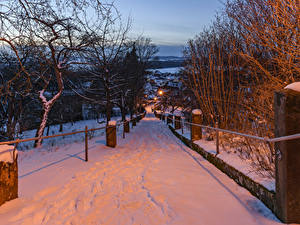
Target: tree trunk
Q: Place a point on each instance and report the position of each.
(60, 127)
(47, 105)
(48, 130)
(41, 129)
(61, 122)
(108, 111)
(123, 110)
(123, 113)
(131, 114)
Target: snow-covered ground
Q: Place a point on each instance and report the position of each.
(149, 178)
(243, 165)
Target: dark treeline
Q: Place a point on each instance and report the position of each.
(57, 56)
(155, 64)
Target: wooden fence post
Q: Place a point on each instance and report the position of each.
(123, 129)
(133, 121)
(287, 158)
(217, 139)
(8, 173)
(177, 122)
(111, 134)
(138, 118)
(86, 143)
(126, 126)
(196, 131)
(159, 115)
(169, 118)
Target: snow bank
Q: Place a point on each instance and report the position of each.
(197, 112)
(294, 86)
(6, 153)
(177, 113)
(112, 123)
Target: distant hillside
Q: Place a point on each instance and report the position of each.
(166, 62)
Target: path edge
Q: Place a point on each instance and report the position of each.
(259, 191)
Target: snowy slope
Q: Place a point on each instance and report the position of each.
(150, 178)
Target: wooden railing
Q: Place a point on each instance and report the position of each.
(85, 131)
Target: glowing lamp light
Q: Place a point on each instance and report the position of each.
(155, 98)
(160, 92)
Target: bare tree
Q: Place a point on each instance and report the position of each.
(56, 32)
(214, 74)
(270, 28)
(271, 43)
(104, 59)
(230, 90)
(15, 90)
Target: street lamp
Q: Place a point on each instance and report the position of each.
(160, 92)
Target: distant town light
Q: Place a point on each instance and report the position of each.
(155, 98)
(160, 92)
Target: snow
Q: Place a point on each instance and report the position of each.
(241, 165)
(7, 153)
(67, 127)
(293, 86)
(112, 123)
(177, 113)
(231, 157)
(167, 70)
(197, 112)
(149, 178)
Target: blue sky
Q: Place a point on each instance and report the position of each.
(169, 22)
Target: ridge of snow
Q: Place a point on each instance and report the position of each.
(294, 86)
(112, 123)
(7, 153)
(177, 113)
(197, 112)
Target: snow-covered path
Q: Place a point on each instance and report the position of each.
(150, 178)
